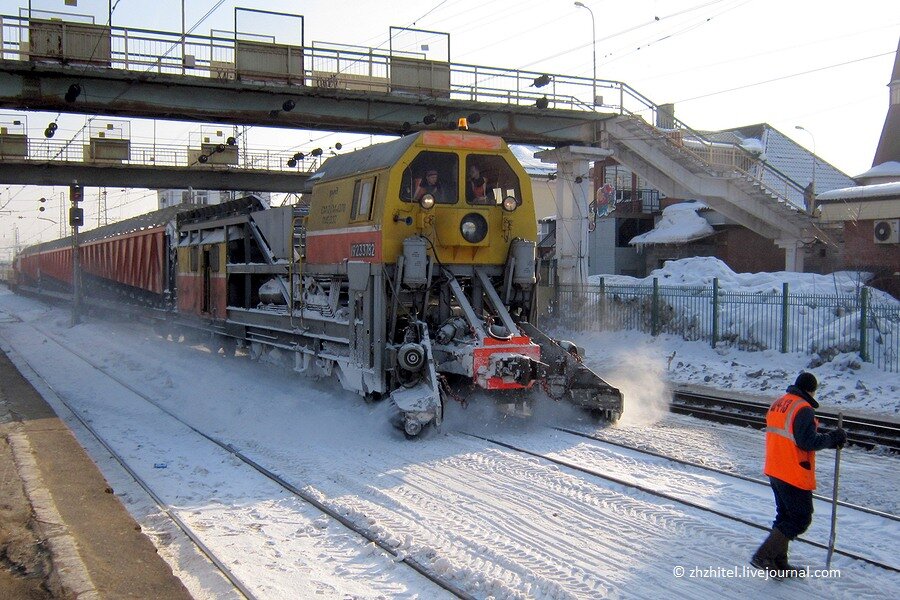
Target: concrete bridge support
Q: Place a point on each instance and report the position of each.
(574, 193)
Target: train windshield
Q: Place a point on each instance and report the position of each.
(432, 173)
(490, 179)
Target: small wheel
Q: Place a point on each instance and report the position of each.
(411, 428)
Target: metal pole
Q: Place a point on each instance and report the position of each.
(834, 495)
(183, 49)
(594, 50)
(76, 278)
(813, 138)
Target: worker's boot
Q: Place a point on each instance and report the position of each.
(785, 569)
(764, 557)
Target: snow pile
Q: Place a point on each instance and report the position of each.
(678, 224)
(846, 380)
(701, 270)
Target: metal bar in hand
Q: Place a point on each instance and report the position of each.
(834, 496)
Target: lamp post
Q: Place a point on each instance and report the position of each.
(593, 51)
(813, 138)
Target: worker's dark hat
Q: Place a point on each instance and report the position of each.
(807, 382)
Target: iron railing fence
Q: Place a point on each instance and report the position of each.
(820, 325)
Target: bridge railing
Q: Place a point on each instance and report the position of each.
(222, 55)
(142, 154)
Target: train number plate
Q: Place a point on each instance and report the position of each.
(362, 250)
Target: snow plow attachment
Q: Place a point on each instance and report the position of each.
(418, 398)
(568, 378)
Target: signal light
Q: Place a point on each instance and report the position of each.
(76, 216)
(338, 146)
(231, 141)
(462, 124)
(429, 119)
(76, 193)
(288, 105)
(541, 81)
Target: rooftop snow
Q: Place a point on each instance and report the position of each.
(878, 190)
(678, 224)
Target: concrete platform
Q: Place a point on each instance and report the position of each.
(63, 532)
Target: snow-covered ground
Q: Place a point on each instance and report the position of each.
(497, 523)
(845, 381)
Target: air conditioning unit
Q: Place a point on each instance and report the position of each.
(887, 231)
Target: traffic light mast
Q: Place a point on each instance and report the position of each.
(76, 219)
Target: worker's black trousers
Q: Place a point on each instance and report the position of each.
(793, 508)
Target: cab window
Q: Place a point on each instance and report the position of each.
(490, 179)
(363, 192)
(434, 173)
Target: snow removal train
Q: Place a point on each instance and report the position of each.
(411, 274)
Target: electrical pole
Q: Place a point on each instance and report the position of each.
(102, 218)
(76, 218)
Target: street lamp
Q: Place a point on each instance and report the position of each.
(813, 138)
(593, 50)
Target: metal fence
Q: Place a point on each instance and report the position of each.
(820, 325)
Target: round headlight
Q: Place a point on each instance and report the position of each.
(473, 228)
(426, 201)
(510, 203)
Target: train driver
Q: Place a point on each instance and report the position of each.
(431, 185)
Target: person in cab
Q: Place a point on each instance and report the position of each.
(430, 184)
(477, 190)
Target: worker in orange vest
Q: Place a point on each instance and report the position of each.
(792, 439)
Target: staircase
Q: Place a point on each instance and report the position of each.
(683, 164)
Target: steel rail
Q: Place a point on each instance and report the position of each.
(670, 497)
(293, 489)
(165, 508)
(861, 431)
(682, 461)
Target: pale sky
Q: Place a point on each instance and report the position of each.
(724, 63)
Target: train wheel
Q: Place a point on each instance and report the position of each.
(373, 397)
(228, 345)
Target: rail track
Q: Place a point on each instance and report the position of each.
(293, 489)
(667, 496)
(861, 431)
(697, 465)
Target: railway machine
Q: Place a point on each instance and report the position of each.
(412, 273)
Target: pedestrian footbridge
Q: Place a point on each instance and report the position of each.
(55, 65)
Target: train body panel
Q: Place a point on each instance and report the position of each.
(413, 268)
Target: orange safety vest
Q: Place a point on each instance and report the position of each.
(784, 459)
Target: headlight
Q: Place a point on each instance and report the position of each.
(473, 228)
(426, 201)
(510, 203)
